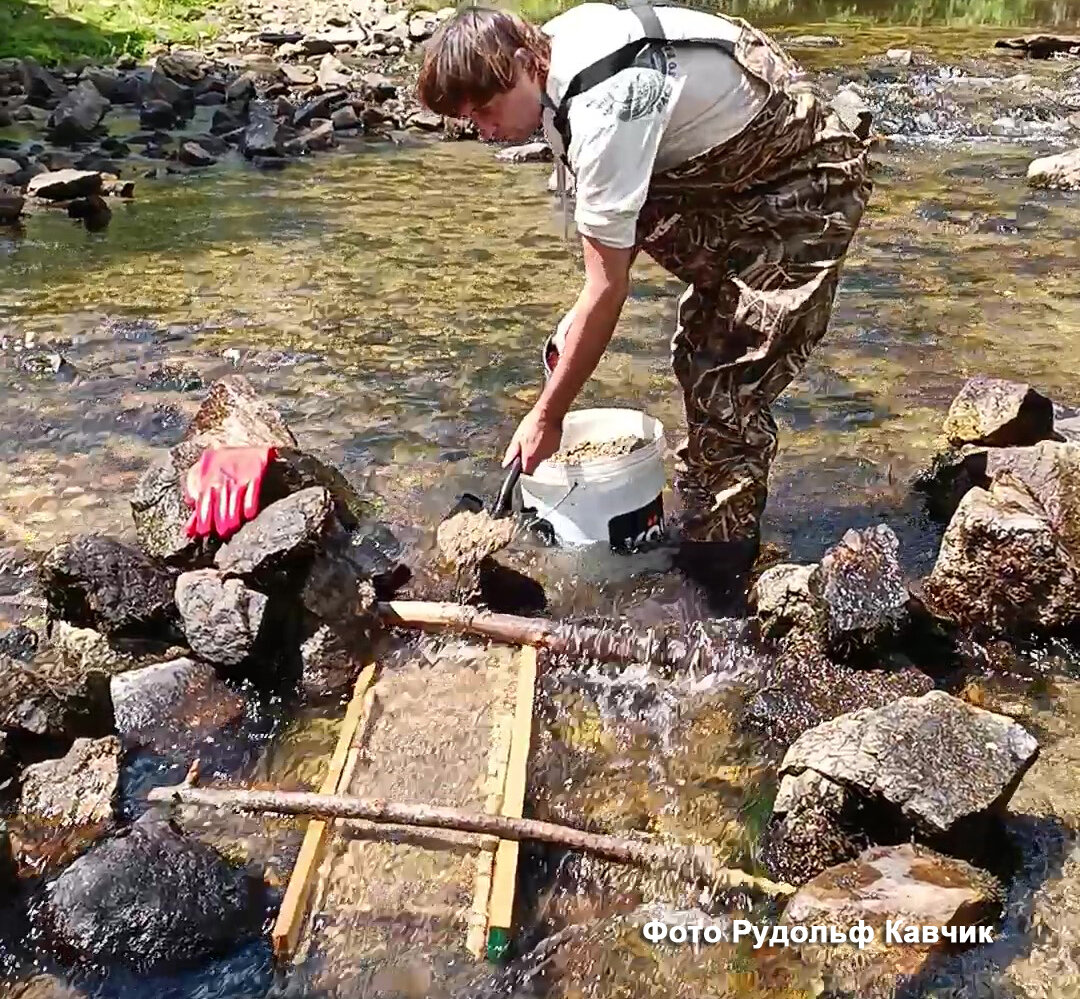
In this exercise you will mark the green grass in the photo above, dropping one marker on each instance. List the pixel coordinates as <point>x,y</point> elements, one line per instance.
<point>58,31</point>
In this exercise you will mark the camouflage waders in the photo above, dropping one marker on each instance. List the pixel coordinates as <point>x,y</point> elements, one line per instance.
<point>758,227</point>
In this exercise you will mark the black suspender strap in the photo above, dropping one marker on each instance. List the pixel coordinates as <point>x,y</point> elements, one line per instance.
<point>636,53</point>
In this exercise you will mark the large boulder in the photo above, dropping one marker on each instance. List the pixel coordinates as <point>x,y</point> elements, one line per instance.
<point>1002,567</point>
<point>1059,172</point>
<point>65,805</point>
<point>112,85</point>
<point>263,137</point>
<point>159,706</point>
<point>100,583</point>
<point>49,703</point>
<point>997,413</point>
<point>222,619</point>
<point>77,117</point>
<point>150,898</point>
<point>931,768</point>
<point>859,591</point>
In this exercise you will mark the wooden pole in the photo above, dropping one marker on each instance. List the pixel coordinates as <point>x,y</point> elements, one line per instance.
<point>693,861</point>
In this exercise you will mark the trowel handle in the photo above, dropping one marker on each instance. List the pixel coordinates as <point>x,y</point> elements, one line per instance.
<point>501,506</point>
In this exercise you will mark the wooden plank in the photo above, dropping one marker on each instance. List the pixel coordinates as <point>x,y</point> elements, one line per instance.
<point>501,910</point>
<point>286,930</point>
<point>498,757</point>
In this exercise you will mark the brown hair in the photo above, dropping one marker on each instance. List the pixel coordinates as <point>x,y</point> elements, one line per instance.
<point>470,58</point>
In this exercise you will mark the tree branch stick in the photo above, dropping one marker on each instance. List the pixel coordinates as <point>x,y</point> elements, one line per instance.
<point>694,861</point>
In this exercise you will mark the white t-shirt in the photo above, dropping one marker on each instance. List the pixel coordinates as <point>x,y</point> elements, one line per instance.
<point>642,120</point>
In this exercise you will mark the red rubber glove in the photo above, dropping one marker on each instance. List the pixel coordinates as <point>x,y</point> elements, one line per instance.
<point>222,488</point>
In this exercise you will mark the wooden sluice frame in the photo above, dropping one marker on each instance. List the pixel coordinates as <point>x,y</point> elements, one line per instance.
<point>490,919</point>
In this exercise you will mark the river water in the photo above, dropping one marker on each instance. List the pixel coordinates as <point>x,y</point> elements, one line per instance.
<point>392,300</point>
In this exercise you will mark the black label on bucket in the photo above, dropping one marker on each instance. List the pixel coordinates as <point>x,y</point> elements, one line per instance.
<point>640,527</point>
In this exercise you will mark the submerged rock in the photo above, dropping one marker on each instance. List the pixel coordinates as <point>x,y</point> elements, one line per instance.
<point>150,898</point>
<point>800,687</point>
<point>77,117</point>
<point>331,663</point>
<point>997,413</point>
<point>100,583</point>
<point>157,705</point>
<point>222,618</point>
<point>932,767</point>
<point>1002,566</point>
<point>909,886</point>
<point>65,805</point>
<point>11,204</point>
<point>859,591</point>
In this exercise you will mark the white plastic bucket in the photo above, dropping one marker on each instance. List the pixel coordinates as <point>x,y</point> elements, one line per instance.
<point>617,500</point>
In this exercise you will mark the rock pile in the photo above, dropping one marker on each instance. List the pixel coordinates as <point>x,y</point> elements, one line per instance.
<point>268,96</point>
<point>1009,487</point>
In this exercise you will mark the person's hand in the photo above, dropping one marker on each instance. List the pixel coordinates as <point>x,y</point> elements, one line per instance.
<point>222,489</point>
<point>536,438</point>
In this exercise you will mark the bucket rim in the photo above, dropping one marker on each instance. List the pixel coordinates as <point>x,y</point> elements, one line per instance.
<point>602,469</point>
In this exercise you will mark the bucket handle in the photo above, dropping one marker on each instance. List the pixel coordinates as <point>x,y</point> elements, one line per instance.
<point>562,499</point>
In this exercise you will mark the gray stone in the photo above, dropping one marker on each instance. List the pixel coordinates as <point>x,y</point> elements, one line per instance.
<point>8,169</point>
<point>900,57</point>
<point>345,118</point>
<point>321,107</point>
<point>318,46</point>
<point>184,66</point>
<point>948,478</point>
<point>263,137</point>
<point>157,115</point>
<point>531,152</point>
<point>193,154</point>
<point>860,591</point>
<point>42,88</point>
<point>159,87</point>
<point>226,120</point>
<point>170,702</point>
<point>84,650</point>
<point>11,204</point>
<point>424,121</point>
<point>63,185</point>
<point>781,599</point>
<point>331,663</point>
<point>114,87</point>
<point>284,533</point>
<point>813,42</point>
<point>65,805</point>
<point>932,762</point>
<point>77,117</point>
<point>907,883</point>
<point>854,113</point>
<point>150,898</point>
<point>298,76</point>
<point>242,89</point>
<point>333,73</point>
<point>118,189</point>
<point>222,618</point>
<point>997,413</point>
<point>320,135</point>
<point>1002,567</point>
<point>378,88</point>
<point>99,583</point>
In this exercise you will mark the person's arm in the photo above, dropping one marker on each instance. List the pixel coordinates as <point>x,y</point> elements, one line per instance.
<point>594,317</point>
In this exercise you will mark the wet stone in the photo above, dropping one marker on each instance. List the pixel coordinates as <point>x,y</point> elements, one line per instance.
<point>531,152</point>
<point>283,534</point>
<point>62,185</point>
<point>222,618</point>
<point>1002,567</point>
<point>1059,172</point>
<point>933,762</point>
<point>163,704</point>
<point>860,591</point>
<point>150,898</point>
<point>46,987</point>
<point>78,115</point>
<point>193,154</point>
<point>11,204</point>
<point>997,413</point>
<point>65,805</point>
<point>263,138</point>
<point>100,583</point>
<point>782,600</point>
